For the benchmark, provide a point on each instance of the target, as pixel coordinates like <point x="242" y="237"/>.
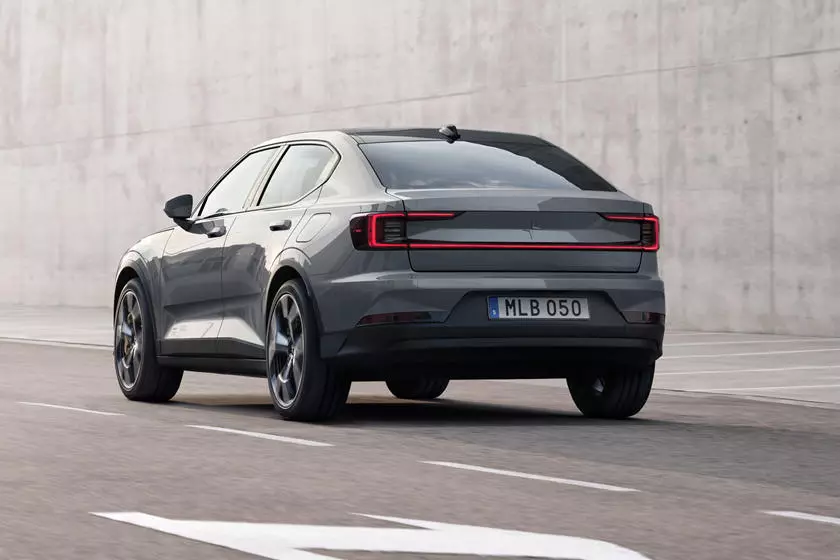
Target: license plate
<point x="537" y="308"/>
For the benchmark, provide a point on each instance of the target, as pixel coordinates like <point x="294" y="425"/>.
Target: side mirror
<point x="179" y="208"/>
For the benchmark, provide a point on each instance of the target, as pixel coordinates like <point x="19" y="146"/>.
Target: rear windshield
<point x="438" y="164"/>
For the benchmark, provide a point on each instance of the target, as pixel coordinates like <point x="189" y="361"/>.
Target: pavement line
<point x="757" y="370"/>
<point x="74" y="409"/>
<point x="807" y="351"/>
<point x="581" y="483"/>
<point x="729" y="390"/>
<point x="805" y="516"/>
<point x="728" y="342"/>
<point x="259" y="435"/>
<point x="55" y="343"/>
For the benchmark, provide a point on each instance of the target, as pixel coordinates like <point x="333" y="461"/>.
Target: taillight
<point x="650" y="229"/>
<point x="388" y="230"/>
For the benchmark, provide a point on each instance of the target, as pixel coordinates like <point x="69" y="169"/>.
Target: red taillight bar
<point x="654" y="246"/>
<point x="366" y="235"/>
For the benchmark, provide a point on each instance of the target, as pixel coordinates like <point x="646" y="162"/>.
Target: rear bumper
<point x="459" y="339"/>
<point x="497" y="352"/>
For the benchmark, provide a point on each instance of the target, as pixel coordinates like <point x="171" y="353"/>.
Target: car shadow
<point x="388" y="412"/>
<point x="396" y="414"/>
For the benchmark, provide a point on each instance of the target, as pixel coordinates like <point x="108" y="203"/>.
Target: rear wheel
<point x="417" y="388"/>
<point x="139" y="375"/>
<point x="301" y="385"/>
<point x="614" y="395"/>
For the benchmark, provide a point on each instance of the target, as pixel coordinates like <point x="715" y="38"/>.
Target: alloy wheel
<point x="286" y="350"/>
<point x="128" y="339"/>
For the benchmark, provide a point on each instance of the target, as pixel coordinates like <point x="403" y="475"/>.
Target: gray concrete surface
<point x="705" y="468"/>
<point x="722" y="113"/>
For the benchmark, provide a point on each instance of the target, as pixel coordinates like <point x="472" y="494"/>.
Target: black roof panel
<point x="371" y="135"/>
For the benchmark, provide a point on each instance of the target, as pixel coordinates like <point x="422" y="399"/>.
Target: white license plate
<point x="537" y="308"/>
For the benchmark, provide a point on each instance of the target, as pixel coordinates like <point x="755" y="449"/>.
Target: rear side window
<point x="300" y="170"/>
<point x="438" y="164"/>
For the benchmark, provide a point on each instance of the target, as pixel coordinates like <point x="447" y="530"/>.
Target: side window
<point x="298" y="172"/>
<point x="231" y="192"/>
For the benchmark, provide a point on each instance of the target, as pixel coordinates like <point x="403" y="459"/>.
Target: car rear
<point x="503" y="257"/>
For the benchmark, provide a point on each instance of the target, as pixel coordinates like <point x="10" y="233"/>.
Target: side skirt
<point x="226" y="366"/>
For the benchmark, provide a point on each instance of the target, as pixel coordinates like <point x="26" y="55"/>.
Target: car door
<point x="260" y="234"/>
<point x="191" y="264"/>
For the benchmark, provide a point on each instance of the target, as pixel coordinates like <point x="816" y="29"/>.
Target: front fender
<point x="144" y="259"/>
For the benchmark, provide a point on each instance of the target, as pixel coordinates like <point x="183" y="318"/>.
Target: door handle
<point x="216" y="231"/>
<point x="281" y="226"/>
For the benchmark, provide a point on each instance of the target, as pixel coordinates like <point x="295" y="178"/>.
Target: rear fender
<point x="298" y="261"/>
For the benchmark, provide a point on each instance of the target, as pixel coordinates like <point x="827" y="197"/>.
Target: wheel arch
<point x="291" y="264"/>
<point x="125" y="275"/>
<point x="133" y="266"/>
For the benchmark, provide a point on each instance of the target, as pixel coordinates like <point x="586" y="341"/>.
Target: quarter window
<point x="300" y="170"/>
<point x="232" y="191"/>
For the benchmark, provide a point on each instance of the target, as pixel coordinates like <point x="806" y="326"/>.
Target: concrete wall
<point x="722" y="113"/>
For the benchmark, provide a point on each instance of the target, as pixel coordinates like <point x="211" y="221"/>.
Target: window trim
<point x="326" y="174"/>
<point x="199" y="208"/>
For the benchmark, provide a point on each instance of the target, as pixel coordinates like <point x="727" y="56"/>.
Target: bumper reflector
<point x="392" y="318"/>
<point x="646" y="317"/>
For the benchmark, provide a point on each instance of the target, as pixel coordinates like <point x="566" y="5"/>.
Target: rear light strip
<point x="388" y="231"/>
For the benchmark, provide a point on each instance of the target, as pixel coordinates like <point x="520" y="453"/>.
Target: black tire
<point x="319" y="392"/>
<point x="139" y="375"/>
<point x="614" y="395"/>
<point x="420" y="388"/>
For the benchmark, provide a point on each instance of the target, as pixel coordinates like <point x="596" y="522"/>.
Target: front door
<point x="191" y="265"/>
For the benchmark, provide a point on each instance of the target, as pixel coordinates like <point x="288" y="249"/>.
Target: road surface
<point x="693" y="477"/>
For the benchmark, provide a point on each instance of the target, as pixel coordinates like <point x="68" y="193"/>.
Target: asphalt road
<point x="693" y="477"/>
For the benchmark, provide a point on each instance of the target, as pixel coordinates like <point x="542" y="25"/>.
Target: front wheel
<point x="614" y="394"/>
<point x="417" y="388"/>
<point x="140" y="376"/>
<point x="301" y="385"/>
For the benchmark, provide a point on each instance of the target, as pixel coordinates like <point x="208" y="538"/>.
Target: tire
<point x="139" y="375"/>
<point x="614" y="395"/>
<point x="420" y="388"/>
<point x="302" y="386"/>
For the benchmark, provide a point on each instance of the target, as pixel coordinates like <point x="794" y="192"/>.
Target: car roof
<point x="372" y="135"/>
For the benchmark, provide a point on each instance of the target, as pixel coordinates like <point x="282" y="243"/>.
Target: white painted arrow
<point x="289" y="542"/>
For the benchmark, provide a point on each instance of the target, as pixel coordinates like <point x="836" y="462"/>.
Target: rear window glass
<point x="438" y="164"/>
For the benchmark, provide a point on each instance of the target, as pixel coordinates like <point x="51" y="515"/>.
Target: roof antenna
<point x="450" y="132"/>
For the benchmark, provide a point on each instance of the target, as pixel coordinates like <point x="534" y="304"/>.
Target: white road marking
<point x="55" y="343"/>
<point x="729" y="390"/>
<point x="805" y="516"/>
<point x="73" y="408"/>
<point x="260" y="435"/>
<point x="728" y="342"/>
<point x="774" y="352"/>
<point x="757" y="370"/>
<point x="581" y="483"/>
<point x="291" y="542"/>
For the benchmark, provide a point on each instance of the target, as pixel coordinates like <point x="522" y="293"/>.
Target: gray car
<point x="407" y="256"/>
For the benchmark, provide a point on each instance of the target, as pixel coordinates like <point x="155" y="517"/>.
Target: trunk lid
<point x="509" y="229"/>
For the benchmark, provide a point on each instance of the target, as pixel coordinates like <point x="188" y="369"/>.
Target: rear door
<point x="509" y="207"/>
<point x="279" y="214"/>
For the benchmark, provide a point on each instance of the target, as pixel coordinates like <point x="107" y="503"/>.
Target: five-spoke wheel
<point x="301" y="384"/>
<point x="287" y="350"/>
<point x="128" y="344"/>
<point x="139" y="375"/>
